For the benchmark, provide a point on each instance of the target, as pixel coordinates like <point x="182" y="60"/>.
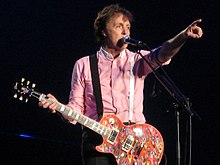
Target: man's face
<point x="117" y="27"/>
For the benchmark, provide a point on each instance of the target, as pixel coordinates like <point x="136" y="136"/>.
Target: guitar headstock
<point x="24" y="89"/>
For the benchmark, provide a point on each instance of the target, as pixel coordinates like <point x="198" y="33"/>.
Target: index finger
<point x="196" y="22"/>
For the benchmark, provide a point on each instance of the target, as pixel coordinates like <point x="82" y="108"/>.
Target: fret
<point x="74" y="115"/>
<point x="101" y="131"/>
<point x="97" y="127"/>
<point x="77" y="116"/>
<point x="105" y="132"/>
<point x="108" y="131"/>
<point x="62" y="108"/>
<point x="90" y="124"/>
<point x="86" y="121"/>
<point x="70" y="113"/>
<point x="81" y="119"/>
<point x="93" y="125"/>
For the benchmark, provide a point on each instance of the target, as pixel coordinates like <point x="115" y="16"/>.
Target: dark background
<point x="41" y="40"/>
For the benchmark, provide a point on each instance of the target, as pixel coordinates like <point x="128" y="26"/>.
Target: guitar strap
<point x="96" y="84"/>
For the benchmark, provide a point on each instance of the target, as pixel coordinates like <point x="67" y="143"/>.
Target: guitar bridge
<point x="136" y="150"/>
<point x="127" y="145"/>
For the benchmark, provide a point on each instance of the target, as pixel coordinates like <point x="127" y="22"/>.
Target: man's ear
<point x="103" y="33"/>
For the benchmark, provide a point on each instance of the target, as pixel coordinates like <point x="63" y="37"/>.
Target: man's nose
<point x="126" y="31"/>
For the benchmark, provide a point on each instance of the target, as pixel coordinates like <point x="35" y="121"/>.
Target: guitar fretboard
<point x="71" y="115"/>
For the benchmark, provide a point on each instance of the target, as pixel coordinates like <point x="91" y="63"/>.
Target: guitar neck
<point x="71" y="115"/>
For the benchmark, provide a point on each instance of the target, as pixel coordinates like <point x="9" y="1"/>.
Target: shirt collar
<point x="109" y="55"/>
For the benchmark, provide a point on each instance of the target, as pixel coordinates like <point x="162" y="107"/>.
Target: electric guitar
<point x="137" y="144"/>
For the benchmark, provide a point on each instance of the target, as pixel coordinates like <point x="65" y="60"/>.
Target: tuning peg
<point x="22" y="79"/>
<point x="26" y="100"/>
<point x="16" y="86"/>
<point x="28" y="82"/>
<point x="21" y="98"/>
<point x="15" y="95"/>
<point x="33" y="85"/>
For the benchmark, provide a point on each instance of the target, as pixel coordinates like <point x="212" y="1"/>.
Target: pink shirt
<point x="115" y="84"/>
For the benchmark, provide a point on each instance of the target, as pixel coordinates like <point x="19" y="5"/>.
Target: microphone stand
<point x="181" y="101"/>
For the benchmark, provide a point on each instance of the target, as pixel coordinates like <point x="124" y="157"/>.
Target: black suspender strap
<point x="96" y="84"/>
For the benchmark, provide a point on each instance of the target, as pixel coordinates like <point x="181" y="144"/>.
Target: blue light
<point x="25" y="135"/>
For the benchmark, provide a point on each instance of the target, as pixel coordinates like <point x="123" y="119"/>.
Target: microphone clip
<point x="127" y="39"/>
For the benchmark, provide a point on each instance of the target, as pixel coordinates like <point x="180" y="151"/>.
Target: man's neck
<point x="115" y="53"/>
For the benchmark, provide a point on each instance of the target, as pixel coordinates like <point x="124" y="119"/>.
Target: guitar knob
<point x="111" y="121"/>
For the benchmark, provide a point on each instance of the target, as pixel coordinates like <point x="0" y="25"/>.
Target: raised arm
<point x="173" y="45"/>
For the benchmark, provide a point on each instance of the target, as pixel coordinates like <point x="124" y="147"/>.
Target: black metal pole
<point x="180" y="99"/>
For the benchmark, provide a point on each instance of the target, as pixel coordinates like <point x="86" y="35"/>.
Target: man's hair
<point x="104" y="16"/>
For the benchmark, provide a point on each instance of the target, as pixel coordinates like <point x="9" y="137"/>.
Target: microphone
<point x="127" y="39"/>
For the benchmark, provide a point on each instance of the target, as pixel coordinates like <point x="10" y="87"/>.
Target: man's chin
<point x="123" y="47"/>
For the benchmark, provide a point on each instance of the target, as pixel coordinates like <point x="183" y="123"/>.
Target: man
<point x="118" y="68"/>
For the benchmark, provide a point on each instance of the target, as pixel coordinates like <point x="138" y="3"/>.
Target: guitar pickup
<point x="127" y="145"/>
<point x="112" y="136"/>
